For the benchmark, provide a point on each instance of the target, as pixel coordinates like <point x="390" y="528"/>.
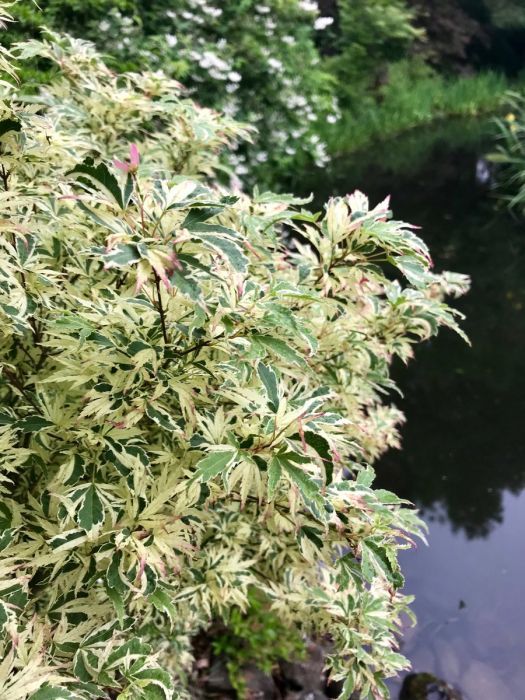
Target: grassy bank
<point x="410" y="100"/>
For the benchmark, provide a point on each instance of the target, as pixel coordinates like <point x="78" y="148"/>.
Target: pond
<point x="463" y="456"/>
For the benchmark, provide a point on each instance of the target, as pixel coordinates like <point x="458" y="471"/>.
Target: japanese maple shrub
<point x="189" y="407"/>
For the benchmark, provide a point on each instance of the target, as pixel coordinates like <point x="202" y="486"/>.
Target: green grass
<point x="413" y="98"/>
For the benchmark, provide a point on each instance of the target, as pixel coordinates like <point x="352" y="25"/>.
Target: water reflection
<point x="463" y="457"/>
<point x="465" y="406"/>
<point x="469" y="605"/>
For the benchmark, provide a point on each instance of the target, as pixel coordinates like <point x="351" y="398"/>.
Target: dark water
<point x="463" y="457"/>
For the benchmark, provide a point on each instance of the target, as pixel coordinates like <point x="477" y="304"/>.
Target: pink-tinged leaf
<point x="134" y="157"/>
<point x="134" y="160"/>
<point x="140" y="572"/>
<point x="143" y="272"/>
<point x="336" y="456"/>
<point x="161" y="272"/>
<point x="121" y="165"/>
<point x="177" y="265"/>
<point x="384" y="205"/>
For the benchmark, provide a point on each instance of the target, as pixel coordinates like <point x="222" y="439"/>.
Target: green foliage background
<point x="271" y="64"/>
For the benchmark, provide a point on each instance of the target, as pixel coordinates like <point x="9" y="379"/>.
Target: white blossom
<point x="212" y="11"/>
<point x="323" y="22"/>
<point x="171" y="40"/>
<point x="308" y="6"/>
<point x="275" y="63"/>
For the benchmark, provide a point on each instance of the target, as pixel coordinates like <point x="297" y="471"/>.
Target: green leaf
<point x="280" y="348"/>
<point x="163" y="603"/>
<point x="68" y="540"/>
<point x="313" y="534"/>
<point x="213" y="464"/>
<point x="25" y="247"/>
<point x="128" y="190"/>
<point x="274" y="476"/>
<point x="227" y="248"/>
<point x="269" y="379"/>
<point x="91" y="512"/>
<point x="192" y="261"/>
<point x="120" y="256"/>
<point x="306" y="485"/>
<point x="199" y="214"/>
<point x="100" y="634"/>
<point x="414" y="271"/>
<point x="98" y="177"/>
<point x="158" y="678"/>
<point x="161" y="417"/>
<point x="321" y="446"/>
<point x="154" y="692"/>
<point x="6" y="418"/>
<point x="365" y="477"/>
<point x="375" y="562"/>
<point x="118" y="603"/>
<point x="50" y="693"/>
<point x="137" y="346"/>
<point x="113" y="574"/>
<point x="4" y="614"/>
<point x="6" y="516"/>
<point x="182" y="280"/>
<point x="116" y="450"/>
<point x="32" y="424"/>
<point x="133" y="648"/>
<point x="199" y="227"/>
<point x="6" y="537"/>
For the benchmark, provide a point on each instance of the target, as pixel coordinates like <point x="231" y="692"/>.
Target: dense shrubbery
<point x="282" y="66"/>
<point x="255" y="61"/>
<point x="188" y="405"/>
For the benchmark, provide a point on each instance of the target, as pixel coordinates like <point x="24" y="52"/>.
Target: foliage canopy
<point x="189" y="405"/>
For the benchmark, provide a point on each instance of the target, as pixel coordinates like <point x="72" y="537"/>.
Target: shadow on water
<point x="463" y="457"/>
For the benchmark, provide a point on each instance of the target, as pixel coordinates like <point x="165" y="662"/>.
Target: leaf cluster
<point x="193" y="387"/>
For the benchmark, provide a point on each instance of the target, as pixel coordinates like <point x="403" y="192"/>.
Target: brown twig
<point x="161" y="309"/>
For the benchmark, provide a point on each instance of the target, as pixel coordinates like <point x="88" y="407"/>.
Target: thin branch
<point x="4" y="175"/>
<point x="161" y="308"/>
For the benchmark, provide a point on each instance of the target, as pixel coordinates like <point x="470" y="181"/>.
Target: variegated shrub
<point x="188" y="405"/>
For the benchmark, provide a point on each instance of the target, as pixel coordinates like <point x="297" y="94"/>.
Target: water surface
<point x="463" y="456"/>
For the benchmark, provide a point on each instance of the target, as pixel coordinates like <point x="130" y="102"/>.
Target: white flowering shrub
<point x="189" y="408"/>
<point x="255" y="61"/>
